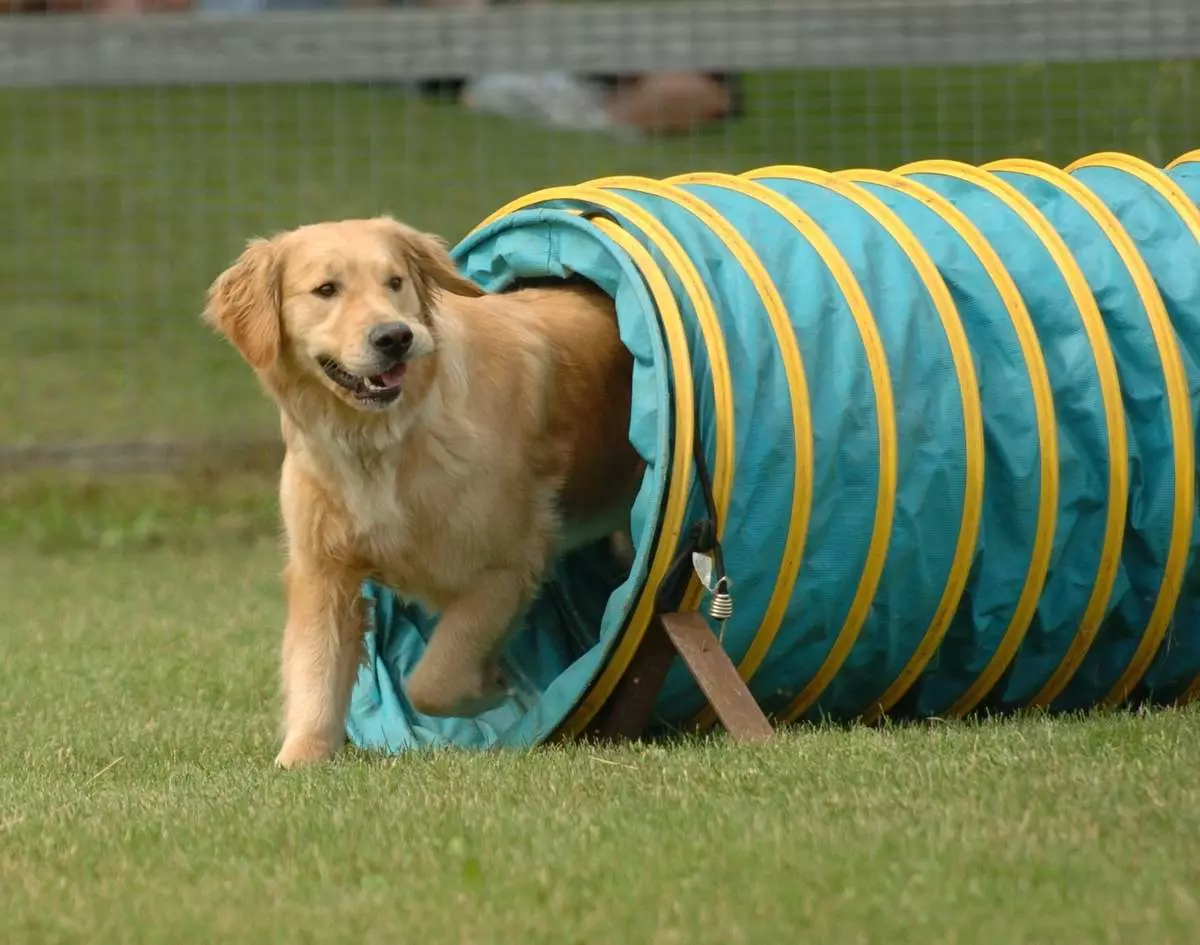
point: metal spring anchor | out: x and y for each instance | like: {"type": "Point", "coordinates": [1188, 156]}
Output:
{"type": "Point", "coordinates": [720, 607]}
{"type": "Point", "coordinates": [720, 604]}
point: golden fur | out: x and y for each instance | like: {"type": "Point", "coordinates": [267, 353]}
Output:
{"type": "Point", "coordinates": [508, 444]}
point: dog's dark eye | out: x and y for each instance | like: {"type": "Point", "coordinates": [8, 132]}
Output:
{"type": "Point", "coordinates": [395, 283]}
{"type": "Point", "coordinates": [326, 290]}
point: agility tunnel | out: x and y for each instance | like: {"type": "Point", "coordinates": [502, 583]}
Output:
{"type": "Point", "coordinates": [943, 418]}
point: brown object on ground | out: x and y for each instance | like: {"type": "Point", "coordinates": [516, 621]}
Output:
{"type": "Point", "coordinates": [665, 102]}
{"type": "Point", "coordinates": [688, 636]}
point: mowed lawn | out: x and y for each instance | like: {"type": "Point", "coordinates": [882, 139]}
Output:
{"type": "Point", "coordinates": [120, 206]}
{"type": "Point", "coordinates": [138, 803]}
{"type": "Point", "coordinates": [138, 678]}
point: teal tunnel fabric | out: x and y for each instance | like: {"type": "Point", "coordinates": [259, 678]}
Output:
{"type": "Point", "coordinates": [951, 417]}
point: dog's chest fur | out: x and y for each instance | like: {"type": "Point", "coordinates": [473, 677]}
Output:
{"type": "Point", "coordinates": [430, 522]}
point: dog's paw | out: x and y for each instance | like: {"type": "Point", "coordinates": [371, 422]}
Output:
{"type": "Point", "coordinates": [462, 698]}
{"type": "Point", "coordinates": [301, 750]}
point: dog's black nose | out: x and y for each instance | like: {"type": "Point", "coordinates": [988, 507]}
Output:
{"type": "Point", "coordinates": [392, 339]}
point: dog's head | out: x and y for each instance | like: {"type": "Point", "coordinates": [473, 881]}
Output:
{"type": "Point", "coordinates": [349, 305]}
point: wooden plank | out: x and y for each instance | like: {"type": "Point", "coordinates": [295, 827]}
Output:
{"type": "Point", "coordinates": [717, 677]}
{"type": "Point", "coordinates": [411, 43]}
{"type": "Point", "coordinates": [628, 711]}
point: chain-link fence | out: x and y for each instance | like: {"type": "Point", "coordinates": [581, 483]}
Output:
{"type": "Point", "coordinates": [140, 148]}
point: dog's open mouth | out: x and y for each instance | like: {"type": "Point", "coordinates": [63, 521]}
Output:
{"type": "Point", "coordinates": [381, 388]}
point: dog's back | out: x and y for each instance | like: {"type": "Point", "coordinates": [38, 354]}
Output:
{"type": "Point", "coordinates": [589, 405]}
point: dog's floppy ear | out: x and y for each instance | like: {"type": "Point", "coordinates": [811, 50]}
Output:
{"type": "Point", "coordinates": [244, 301]}
{"type": "Point", "coordinates": [433, 269]}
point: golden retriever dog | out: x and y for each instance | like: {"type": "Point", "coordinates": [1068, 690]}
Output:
{"type": "Point", "coordinates": [445, 442]}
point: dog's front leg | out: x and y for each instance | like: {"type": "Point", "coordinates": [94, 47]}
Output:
{"type": "Point", "coordinates": [322, 644]}
{"type": "Point", "coordinates": [459, 674]}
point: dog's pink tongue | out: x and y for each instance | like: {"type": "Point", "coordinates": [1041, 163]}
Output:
{"type": "Point", "coordinates": [395, 376]}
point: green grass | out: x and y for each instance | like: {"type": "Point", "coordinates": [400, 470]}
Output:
{"type": "Point", "coordinates": [138, 804]}
{"type": "Point", "coordinates": [138, 679]}
{"type": "Point", "coordinates": [122, 205]}
{"type": "Point", "coordinates": [200, 511]}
